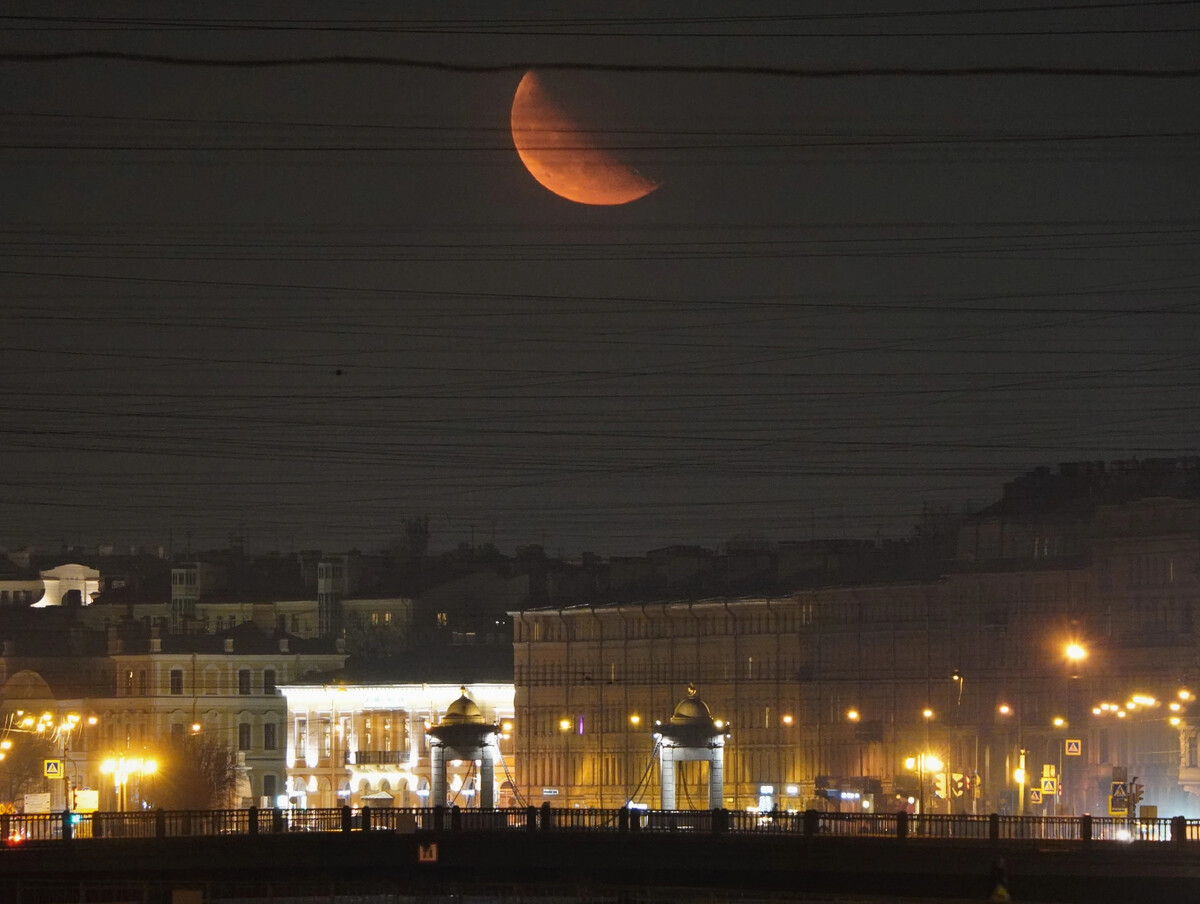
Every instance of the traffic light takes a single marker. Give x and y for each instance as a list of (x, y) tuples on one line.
[(939, 784), (1136, 790), (958, 784)]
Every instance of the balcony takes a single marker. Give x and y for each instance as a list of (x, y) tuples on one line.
[(376, 757)]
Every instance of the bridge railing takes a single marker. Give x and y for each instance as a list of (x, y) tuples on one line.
[(254, 821)]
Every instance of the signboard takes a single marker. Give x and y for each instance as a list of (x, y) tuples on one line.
[(37, 803), (1035, 796), (52, 768), (1118, 799), (549, 792), (1074, 747), (87, 800), (1049, 786)]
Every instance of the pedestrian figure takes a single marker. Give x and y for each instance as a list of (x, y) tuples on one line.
[(999, 883)]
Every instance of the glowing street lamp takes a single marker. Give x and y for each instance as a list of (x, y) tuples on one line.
[(122, 769)]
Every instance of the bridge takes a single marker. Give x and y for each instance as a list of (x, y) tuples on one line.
[(602, 855)]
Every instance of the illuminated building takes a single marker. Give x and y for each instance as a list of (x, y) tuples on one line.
[(366, 742), (824, 688)]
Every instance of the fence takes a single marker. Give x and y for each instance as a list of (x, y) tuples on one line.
[(18, 828)]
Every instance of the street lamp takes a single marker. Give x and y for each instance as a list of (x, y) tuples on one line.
[(1075, 653), (122, 769), (923, 764)]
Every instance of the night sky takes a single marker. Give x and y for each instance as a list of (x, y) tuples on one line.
[(302, 303)]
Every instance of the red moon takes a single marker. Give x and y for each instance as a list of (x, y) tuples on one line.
[(565, 158)]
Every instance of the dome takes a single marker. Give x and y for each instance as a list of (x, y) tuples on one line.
[(691, 710), (463, 711)]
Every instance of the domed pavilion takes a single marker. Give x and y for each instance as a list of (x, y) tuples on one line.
[(463, 734), (691, 734)]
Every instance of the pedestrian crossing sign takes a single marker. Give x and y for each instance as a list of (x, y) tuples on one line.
[(1074, 747), (1035, 795), (1049, 786), (1118, 799), (52, 768)]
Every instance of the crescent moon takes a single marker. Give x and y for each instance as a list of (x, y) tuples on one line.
[(565, 158)]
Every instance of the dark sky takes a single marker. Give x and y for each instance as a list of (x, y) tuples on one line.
[(306, 302)]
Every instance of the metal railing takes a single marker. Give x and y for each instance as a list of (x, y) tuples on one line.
[(17, 828)]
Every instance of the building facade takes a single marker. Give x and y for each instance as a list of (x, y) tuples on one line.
[(840, 696), (365, 743)]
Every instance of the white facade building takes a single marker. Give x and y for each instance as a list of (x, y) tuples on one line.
[(366, 743)]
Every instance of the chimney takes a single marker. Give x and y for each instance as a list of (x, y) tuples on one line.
[(228, 644), (283, 645), (155, 644)]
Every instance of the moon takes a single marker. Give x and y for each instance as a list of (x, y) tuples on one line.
[(566, 158)]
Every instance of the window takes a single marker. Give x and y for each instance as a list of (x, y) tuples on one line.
[(301, 736), (129, 683), (141, 682), (326, 739), (243, 681), (441, 620), (177, 682), (269, 736), (269, 682), (269, 788), (295, 624), (243, 736)]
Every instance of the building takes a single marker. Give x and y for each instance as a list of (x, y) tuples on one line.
[(831, 690), (365, 742), (142, 695)]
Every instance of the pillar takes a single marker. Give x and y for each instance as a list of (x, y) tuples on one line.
[(666, 759), (437, 775), (487, 777), (716, 778)]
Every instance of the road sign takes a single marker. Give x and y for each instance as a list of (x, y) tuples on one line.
[(1074, 747), (52, 768), (1049, 786), (1035, 795), (1118, 799)]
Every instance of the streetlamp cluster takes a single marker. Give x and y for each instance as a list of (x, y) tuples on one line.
[(122, 769)]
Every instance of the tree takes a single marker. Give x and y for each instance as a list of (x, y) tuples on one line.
[(21, 770), (198, 774)]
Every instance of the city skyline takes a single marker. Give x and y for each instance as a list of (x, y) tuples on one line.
[(306, 301)]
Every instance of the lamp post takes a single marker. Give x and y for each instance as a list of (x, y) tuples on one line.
[(1075, 653), (122, 769), (923, 764), (52, 729)]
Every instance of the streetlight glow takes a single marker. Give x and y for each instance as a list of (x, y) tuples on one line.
[(1075, 652)]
